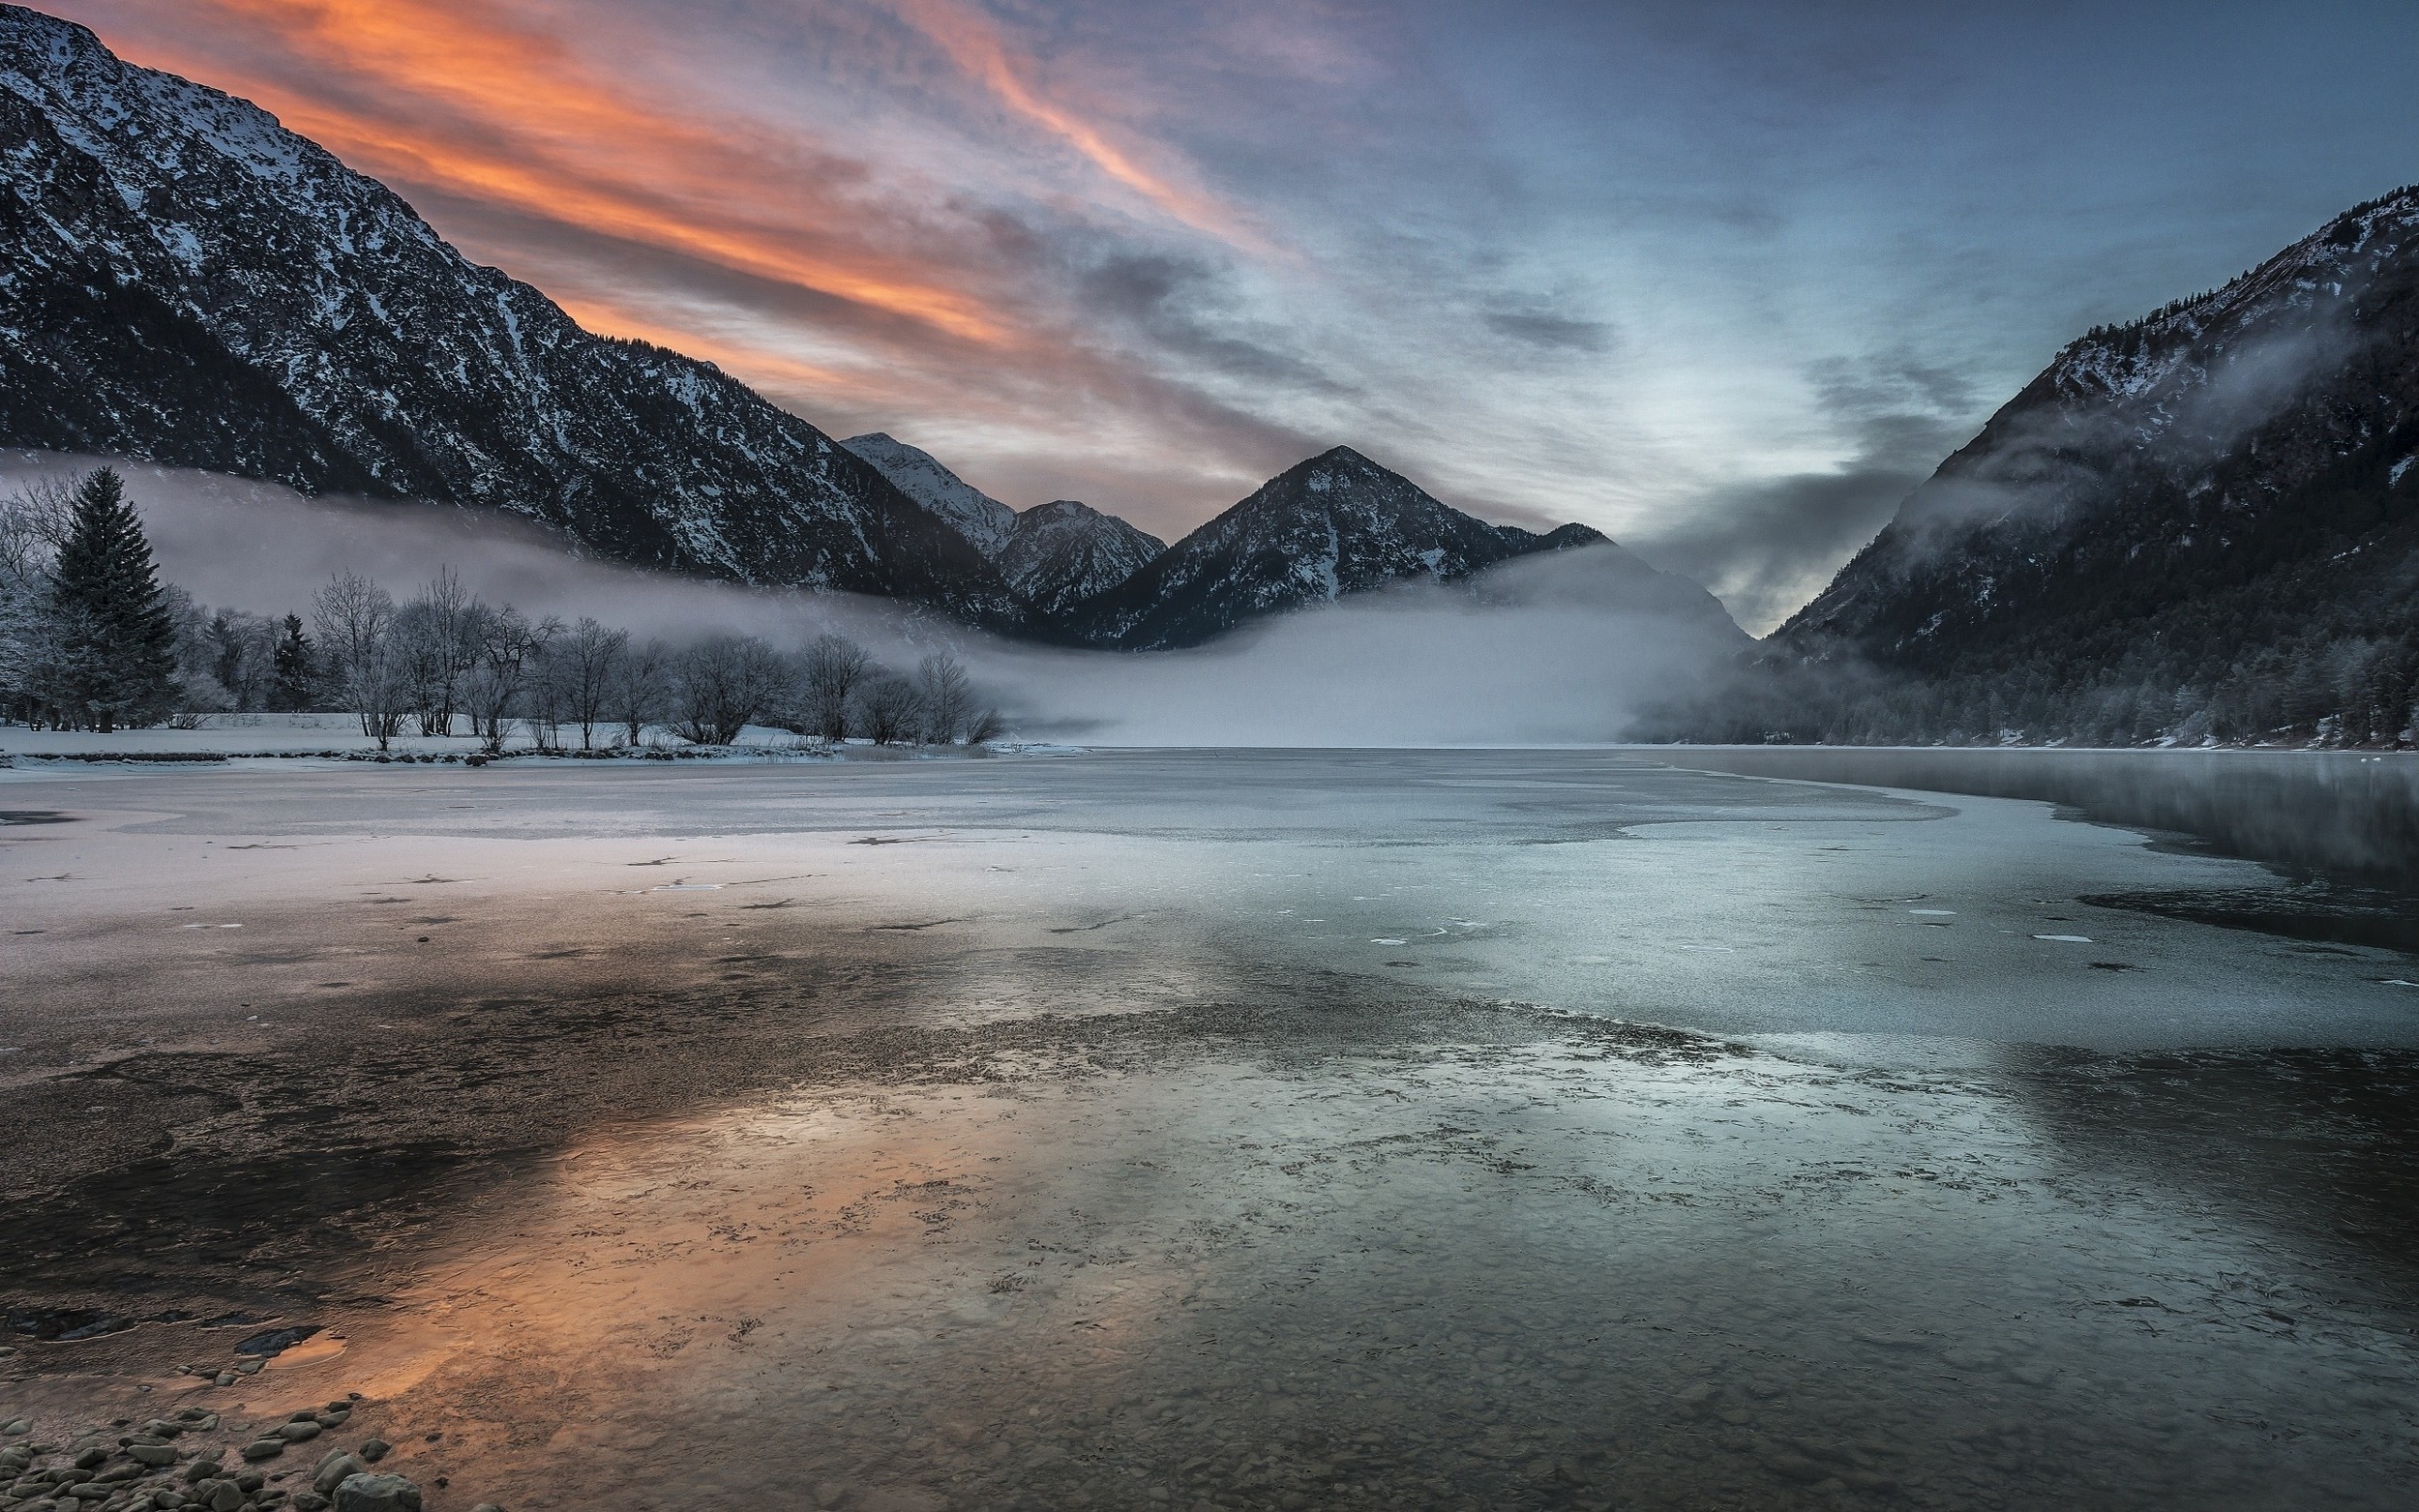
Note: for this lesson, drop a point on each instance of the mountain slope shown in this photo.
(1336, 524)
(2204, 523)
(1064, 552)
(1054, 555)
(986, 523)
(183, 279)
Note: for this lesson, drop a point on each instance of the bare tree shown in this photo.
(834, 668)
(581, 666)
(985, 726)
(509, 647)
(945, 698)
(640, 686)
(436, 642)
(888, 709)
(725, 684)
(352, 615)
(33, 522)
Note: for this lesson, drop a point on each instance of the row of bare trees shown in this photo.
(444, 658)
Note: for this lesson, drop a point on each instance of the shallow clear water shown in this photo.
(1252, 1130)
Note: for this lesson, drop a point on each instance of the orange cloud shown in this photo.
(518, 124)
(976, 48)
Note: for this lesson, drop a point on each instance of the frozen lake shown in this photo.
(1241, 1129)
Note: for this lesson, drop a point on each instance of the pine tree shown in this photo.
(294, 673)
(116, 657)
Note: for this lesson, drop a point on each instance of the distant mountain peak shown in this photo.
(1333, 524)
(985, 522)
(1064, 553)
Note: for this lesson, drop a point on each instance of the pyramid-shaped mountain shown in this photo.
(1336, 524)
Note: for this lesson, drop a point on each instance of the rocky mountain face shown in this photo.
(1055, 555)
(987, 524)
(1064, 552)
(2202, 524)
(1336, 524)
(183, 279)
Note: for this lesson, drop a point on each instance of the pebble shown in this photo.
(376, 1450)
(299, 1433)
(264, 1448)
(18, 1425)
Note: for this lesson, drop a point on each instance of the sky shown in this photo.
(1722, 280)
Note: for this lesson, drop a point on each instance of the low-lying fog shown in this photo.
(1546, 654)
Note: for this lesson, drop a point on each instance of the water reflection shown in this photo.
(1502, 1259)
(2338, 811)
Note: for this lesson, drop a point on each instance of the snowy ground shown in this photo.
(238, 736)
(1503, 1129)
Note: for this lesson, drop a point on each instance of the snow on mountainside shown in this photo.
(2204, 523)
(982, 520)
(1335, 524)
(183, 279)
(2152, 451)
(1064, 553)
(1055, 555)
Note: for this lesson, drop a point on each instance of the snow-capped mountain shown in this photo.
(183, 279)
(982, 520)
(1336, 524)
(1055, 555)
(1064, 552)
(2194, 523)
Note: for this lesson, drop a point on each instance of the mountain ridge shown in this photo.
(189, 282)
(2202, 524)
(1333, 524)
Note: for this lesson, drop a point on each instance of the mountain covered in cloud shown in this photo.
(1334, 525)
(2200, 524)
(183, 279)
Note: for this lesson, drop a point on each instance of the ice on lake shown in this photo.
(1025, 1165)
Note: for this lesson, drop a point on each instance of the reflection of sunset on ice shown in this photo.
(1077, 1144)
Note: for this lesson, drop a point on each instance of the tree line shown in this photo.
(90, 638)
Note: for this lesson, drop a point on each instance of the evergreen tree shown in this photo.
(115, 662)
(292, 690)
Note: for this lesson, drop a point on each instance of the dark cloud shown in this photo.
(1767, 547)
(1183, 306)
(1556, 333)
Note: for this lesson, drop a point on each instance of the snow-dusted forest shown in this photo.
(91, 638)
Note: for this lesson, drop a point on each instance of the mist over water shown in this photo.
(1544, 650)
